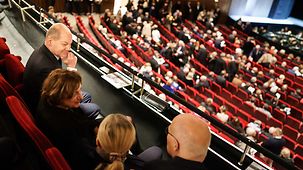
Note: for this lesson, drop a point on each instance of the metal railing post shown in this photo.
(244, 155)
(133, 83)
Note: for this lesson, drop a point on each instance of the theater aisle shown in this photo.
(16, 42)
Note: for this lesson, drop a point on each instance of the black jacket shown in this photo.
(176, 163)
(39, 65)
(72, 132)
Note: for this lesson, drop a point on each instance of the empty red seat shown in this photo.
(298, 160)
(182, 95)
(289, 76)
(216, 88)
(261, 116)
(193, 102)
(290, 132)
(226, 95)
(12, 69)
(293, 122)
(299, 149)
(56, 159)
(236, 101)
(3, 47)
(273, 122)
(300, 139)
(279, 115)
(242, 94)
(290, 144)
(21, 114)
(209, 93)
(231, 88)
(244, 115)
(191, 91)
(219, 100)
(200, 98)
(296, 113)
(231, 108)
(292, 100)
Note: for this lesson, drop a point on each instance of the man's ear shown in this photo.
(176, 145)
(48, 42)
(97, 143)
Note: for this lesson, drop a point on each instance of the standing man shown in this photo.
(187, 145)
(50, 56)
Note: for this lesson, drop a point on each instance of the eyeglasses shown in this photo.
(168, 133)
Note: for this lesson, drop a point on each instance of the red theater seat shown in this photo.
(56, 159)
(299, 149)
(293, 122)
(13, 69)
(298, 160)
(290, 132)
(3, 47)
(289, 142)
(21, 114)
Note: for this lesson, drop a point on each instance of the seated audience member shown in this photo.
(296, 93)
(251, 134)
(285, 154)
(276, 142)
(188, 150)
(146, 70)
(115, 137)
(168, 86)
(255, 125)
(175, 83)
(222, 115)
(208, 105)
(221, 79)
(189, 79)
(202, 83)
(236, 124)
(264, 109)
(59, 116)
(258, 94)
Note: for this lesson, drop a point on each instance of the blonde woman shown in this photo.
(115, 137)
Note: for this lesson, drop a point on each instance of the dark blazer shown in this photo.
(274, 145)
(72, 132)
(176, 163)
(39, 65)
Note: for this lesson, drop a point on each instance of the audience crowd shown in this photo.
(184, 50)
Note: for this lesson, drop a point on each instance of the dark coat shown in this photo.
(71, 131)
(39, 65)
(274, 145)
(176, 163)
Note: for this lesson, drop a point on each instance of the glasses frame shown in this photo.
(168, 133)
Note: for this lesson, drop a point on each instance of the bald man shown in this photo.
(188, 139)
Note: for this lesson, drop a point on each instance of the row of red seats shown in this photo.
(11, 79)
(86, 33)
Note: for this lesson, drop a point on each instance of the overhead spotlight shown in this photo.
(216, 1)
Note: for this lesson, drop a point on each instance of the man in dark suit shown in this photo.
(50, 56)
(203, 55)
(275, 143)
(188, 150)
(256, 53)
